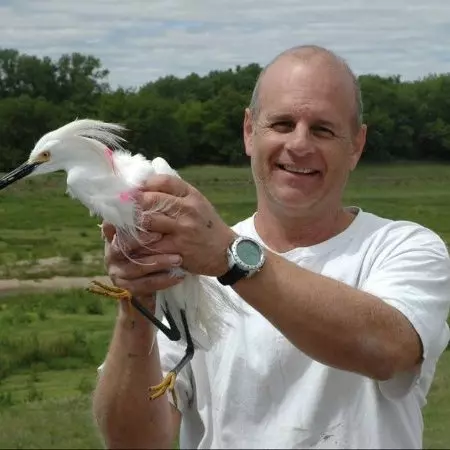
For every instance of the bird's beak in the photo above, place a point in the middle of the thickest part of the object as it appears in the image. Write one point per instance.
(20, 172)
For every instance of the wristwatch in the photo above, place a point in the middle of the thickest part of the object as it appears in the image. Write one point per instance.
(245, 258)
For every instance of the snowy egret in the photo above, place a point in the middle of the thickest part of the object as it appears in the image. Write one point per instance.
(103, 175)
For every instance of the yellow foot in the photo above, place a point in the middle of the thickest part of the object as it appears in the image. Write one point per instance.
(167, 384)
(109, 291)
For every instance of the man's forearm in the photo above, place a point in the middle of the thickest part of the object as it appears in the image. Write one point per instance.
(125, 416)
(331, 322)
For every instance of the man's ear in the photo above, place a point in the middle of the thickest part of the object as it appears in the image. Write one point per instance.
(248, 132)
(358, 146)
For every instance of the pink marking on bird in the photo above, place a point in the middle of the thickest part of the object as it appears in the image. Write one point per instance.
(125, 197)
(110, 156)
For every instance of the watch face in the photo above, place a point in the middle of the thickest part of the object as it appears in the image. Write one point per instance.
(249, 252)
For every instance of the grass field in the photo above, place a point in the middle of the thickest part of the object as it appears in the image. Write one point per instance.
(51, 344)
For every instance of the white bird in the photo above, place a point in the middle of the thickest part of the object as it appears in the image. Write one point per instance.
(102, 175)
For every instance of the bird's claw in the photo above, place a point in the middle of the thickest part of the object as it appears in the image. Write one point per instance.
(168, 384)
(98, 287)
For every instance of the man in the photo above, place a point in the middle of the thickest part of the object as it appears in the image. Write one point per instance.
(345, 319)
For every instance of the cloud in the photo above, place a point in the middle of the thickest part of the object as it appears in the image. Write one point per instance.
(140, 41)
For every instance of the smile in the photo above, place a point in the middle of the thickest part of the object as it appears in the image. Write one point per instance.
(299, 170)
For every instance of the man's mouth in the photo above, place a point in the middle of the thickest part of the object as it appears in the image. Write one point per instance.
(298, 170)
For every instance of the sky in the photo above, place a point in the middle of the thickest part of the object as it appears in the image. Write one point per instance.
(141, 40)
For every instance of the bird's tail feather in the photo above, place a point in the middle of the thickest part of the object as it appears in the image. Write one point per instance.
(208, 309)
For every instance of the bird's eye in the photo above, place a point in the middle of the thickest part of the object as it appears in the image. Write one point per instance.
(45, 155)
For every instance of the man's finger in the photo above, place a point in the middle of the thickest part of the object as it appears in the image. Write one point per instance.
(168, 184)
(143, 287)
(108, 231)
(159, 202)
(143, 238)
(143, 245)
(157, 223)
(144, 266)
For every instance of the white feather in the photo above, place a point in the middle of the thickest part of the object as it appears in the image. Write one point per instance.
(98, 181)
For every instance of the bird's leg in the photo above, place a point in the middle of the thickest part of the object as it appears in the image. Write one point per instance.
(173, 333)
(169, 381)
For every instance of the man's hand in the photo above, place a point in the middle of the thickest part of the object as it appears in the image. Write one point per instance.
(189, 224)
(149, 275)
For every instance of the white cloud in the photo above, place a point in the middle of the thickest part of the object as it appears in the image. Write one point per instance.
(140, 41)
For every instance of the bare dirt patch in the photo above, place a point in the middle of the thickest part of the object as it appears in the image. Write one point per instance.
(50, 274)
(55, 283)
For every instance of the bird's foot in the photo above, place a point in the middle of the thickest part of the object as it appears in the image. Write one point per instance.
(168, 384)
(100, 288)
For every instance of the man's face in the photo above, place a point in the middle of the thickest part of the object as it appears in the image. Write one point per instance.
(303, 143)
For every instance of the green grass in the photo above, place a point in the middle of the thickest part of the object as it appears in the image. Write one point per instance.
(38, 220)
(49, 364)
(411, 191)
(51, 344)
(61, 423)
(437, 411)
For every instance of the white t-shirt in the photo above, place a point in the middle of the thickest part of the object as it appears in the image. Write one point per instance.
(254, 389)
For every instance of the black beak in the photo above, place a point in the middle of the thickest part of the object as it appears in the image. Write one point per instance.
(22, 171)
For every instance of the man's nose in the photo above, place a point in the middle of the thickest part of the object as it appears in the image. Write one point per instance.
(299, 141)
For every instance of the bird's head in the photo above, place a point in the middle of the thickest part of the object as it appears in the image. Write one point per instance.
(40, 161)
(47, 158)
(77, 142)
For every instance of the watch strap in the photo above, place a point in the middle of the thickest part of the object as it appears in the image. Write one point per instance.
(232, 276)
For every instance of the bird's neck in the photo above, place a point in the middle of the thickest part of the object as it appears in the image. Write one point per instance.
(90, 155)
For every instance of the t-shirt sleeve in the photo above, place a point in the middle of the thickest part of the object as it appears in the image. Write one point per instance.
(411, 272)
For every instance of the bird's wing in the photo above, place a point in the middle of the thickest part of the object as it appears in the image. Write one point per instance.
(133, 169)
(161, 166)
(104, 195)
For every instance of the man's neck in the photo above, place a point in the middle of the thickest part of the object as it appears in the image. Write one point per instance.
(282, 234)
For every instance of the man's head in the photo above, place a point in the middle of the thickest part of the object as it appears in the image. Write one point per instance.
(303, 131)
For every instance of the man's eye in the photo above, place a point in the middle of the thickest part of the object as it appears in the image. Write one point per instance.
(283, 126)
(323, 131)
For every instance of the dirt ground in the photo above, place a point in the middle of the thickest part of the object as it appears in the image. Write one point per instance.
(15, 285)
(11, 285)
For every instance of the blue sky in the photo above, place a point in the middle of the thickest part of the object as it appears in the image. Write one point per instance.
(139, 41)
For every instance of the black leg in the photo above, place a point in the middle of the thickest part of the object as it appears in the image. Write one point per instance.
(189, 349)
(169, 381)
(173, 333)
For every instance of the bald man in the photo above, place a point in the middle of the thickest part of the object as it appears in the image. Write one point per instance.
(345, 310)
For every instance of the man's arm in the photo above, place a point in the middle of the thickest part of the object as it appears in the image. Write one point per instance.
(332, 322)
(125, 416)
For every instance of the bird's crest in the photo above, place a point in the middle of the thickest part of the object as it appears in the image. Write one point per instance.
(106, 133)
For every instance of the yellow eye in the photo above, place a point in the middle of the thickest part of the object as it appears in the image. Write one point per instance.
(44, 156)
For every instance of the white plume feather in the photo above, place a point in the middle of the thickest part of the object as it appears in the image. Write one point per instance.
(106, 133)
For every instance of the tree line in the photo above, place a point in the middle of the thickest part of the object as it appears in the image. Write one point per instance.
(198, 119)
